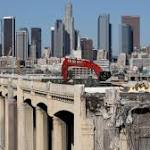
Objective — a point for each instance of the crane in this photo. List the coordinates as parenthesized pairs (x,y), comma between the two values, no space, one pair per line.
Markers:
(68,62)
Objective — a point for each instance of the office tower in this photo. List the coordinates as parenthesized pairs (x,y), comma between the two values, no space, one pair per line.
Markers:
(134,23)
(52,40)
(104,34)
(8,36)
(33,51)
(126,39)
(22,44)
(0,50)
(69,25)
(36,40)
(76,36)
(59,50)
(86,44)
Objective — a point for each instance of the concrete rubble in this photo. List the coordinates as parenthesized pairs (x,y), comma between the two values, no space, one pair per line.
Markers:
(121,119)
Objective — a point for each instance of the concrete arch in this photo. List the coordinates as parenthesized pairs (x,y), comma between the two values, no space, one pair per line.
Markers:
(66,123)
(42,106)
(15,97)
(63,111)
(28,101)
(36,101)
(4,92)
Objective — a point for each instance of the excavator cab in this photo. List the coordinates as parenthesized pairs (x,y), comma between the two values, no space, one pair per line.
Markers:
(68,62)
(104,75)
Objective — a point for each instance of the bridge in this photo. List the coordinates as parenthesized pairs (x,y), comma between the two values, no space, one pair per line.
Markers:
(37,115)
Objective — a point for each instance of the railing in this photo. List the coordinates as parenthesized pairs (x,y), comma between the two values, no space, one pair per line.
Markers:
(56,90)
(65,91)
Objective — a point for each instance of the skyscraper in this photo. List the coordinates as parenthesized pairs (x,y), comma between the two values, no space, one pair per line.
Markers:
(22,44)
(126,39)
(104,34)
(36,40)
(59,42)
(52,40)
(69,24)
(8,36)
(134,23)
(86,44)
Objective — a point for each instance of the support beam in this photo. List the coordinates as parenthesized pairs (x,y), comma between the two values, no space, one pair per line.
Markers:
(2,122)
(59,136)
(83,127)
(10,124)
(41,129)
(25,127)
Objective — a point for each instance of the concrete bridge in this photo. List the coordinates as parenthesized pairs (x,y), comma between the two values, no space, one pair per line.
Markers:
(37,115)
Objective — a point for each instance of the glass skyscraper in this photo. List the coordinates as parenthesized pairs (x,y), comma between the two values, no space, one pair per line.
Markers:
(69,25)
(8,36)
(59,35)
(126,39)
(134,23)
(22,44)
(104,34)
(36,40)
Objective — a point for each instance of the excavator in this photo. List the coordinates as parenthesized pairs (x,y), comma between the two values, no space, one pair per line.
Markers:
(69,62)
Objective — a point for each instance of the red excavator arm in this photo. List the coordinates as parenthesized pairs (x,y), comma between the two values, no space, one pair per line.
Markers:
(80,63)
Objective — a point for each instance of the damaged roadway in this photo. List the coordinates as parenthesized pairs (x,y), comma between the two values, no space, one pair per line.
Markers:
(121,116)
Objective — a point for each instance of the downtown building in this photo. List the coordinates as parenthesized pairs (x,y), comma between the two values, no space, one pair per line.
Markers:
(104,35)
(64,38)
(52,40)
(134,23)
(59,39)
(8,36)
(35,42)
(125,39)
(69,26)
(86,44)
(22,44)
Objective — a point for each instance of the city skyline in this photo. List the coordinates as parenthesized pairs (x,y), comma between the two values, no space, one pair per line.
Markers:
(85,20)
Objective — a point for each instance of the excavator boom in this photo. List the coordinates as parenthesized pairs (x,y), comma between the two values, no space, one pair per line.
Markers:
(80,63)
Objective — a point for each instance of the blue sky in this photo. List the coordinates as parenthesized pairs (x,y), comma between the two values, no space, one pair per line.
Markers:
(43,13)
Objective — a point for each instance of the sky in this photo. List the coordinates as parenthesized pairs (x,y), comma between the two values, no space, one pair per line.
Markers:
(43,13)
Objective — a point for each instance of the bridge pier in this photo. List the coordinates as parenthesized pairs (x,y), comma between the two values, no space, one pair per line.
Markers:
(41,129)
(10,124)
(2,122)
(83,127)
(25,127)
(59,140)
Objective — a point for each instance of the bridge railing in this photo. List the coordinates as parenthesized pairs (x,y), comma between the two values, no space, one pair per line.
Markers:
(4,81)
(66,91)
(56,90)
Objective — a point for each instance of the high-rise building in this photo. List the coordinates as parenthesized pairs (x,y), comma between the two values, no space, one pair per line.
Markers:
(22,44)
(69,24)
(86,44)
(36,40)
(134,23)
(126,39)
(0,50)
(59,50)
(104,34)
(8,36)
(52,40)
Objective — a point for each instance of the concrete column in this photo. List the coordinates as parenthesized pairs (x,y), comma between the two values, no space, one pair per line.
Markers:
(41,129)
(83,127)
(59,137)
(25,127)
(123,140)
(2,122)
(10,124)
